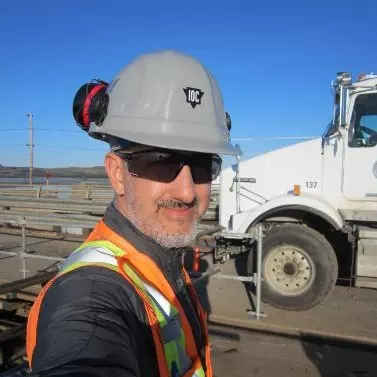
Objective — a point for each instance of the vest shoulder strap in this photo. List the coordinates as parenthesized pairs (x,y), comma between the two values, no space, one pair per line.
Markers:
(95,253)
(89,255)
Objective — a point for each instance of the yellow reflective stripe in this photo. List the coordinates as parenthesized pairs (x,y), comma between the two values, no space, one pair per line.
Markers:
(182,340)
(76,265)
(173,310)
(174,350)
(160,316)
(140,284)
(199,372)
(134,277)
(171,355)
(117,251)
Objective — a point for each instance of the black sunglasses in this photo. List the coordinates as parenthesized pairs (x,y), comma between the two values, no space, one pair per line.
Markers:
(164,166)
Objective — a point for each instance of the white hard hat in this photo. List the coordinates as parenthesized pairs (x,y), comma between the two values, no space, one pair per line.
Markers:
(168,100)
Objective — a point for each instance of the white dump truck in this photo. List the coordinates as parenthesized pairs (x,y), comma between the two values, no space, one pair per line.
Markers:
(317,201)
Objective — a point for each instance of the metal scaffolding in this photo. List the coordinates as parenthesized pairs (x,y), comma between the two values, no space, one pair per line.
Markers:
(23,255)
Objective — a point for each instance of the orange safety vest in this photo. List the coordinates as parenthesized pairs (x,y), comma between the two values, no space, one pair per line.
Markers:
(174,342)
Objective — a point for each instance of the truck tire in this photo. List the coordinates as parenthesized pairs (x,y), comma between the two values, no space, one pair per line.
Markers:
(299,267)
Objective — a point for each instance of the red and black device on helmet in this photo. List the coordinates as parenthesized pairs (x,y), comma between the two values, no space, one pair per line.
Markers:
(90,104)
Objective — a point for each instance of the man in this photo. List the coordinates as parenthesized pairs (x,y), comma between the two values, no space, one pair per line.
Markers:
(122,304)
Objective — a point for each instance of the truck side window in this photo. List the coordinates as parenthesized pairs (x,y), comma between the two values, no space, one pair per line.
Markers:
(363,125)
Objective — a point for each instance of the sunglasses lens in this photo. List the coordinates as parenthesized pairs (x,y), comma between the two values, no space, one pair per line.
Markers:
(154,166)
(164,166)
(205,169)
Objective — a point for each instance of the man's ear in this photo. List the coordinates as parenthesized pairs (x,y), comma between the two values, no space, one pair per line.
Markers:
(115,169)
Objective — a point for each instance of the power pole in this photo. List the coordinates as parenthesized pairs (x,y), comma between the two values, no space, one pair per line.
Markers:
(31,145)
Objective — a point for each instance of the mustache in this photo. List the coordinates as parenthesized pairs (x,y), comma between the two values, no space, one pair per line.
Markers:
(177,204)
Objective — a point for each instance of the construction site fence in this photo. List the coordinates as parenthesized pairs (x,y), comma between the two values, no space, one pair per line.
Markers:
(23,255)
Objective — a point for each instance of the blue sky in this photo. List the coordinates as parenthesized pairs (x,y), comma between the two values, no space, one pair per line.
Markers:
(274,61)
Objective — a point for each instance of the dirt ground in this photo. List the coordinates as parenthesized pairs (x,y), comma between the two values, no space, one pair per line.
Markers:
(244,354)
(347,312)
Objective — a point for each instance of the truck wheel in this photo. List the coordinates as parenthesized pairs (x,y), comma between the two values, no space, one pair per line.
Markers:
(299,267)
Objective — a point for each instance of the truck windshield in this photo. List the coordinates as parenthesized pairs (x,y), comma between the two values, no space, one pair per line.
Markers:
(363,125)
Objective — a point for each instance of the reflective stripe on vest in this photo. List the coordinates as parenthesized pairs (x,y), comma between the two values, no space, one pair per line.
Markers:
(105,253)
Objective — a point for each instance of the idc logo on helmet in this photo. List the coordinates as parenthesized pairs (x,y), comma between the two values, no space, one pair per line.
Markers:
(193,96)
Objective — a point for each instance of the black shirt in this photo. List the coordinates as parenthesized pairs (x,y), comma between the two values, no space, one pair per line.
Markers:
(93,323)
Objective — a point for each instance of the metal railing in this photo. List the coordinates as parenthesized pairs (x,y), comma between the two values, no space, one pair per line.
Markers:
(23,220)
(66,201)
(71,209)
(92,192)
(79,192)
(49,219)
(23,255)
(36,279)
(257,235)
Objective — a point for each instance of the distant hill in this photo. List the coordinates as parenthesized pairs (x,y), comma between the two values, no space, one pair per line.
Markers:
(71,172)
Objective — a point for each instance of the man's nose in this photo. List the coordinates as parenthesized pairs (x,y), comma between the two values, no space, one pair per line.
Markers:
(183,186)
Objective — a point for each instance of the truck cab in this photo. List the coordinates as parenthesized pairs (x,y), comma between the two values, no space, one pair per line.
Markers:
(317,201)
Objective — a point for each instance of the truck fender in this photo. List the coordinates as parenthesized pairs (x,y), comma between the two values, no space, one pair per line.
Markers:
(312,204)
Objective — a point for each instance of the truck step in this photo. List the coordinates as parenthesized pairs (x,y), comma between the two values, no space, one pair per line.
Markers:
(363,282)
(366,266)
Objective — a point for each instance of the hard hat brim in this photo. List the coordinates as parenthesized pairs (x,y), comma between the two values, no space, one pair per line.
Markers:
(162,135)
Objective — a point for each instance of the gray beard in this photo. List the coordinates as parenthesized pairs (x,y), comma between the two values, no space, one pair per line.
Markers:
(155,230)
(158,233)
